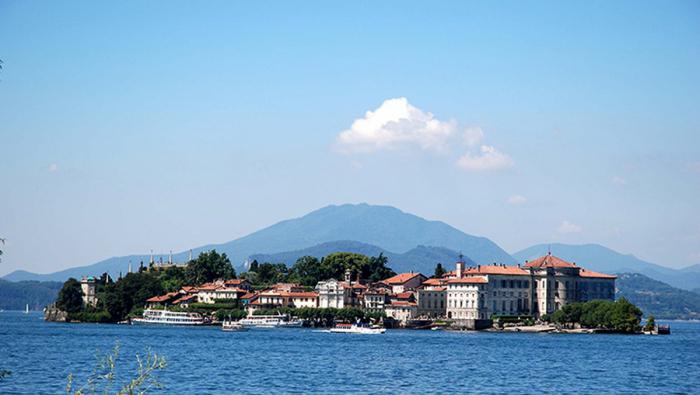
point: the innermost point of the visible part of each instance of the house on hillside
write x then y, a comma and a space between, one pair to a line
404, 282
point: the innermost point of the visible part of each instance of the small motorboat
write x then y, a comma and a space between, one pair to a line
361, 329
232, 326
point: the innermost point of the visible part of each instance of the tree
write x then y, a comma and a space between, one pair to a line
336, 264
439, 271
378, 269
650, 325
70, 297
209, 266
270, 273
306, 271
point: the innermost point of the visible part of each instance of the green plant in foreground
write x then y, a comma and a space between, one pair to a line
104, 377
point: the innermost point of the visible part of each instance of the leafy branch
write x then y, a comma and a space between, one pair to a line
104, 376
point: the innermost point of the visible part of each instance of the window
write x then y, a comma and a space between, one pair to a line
503, 283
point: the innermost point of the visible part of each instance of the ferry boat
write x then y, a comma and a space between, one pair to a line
270, 321
357, 328
164, 317
232, 326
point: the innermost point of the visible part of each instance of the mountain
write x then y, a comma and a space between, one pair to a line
383, 226
657, 298
421, 258
16, 295
112, 266
603, 259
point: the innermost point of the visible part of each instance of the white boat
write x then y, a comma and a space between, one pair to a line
26, 309
165, 317
357, 328
232, 326
270, 321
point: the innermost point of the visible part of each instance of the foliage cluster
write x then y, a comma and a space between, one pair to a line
234, 314
105, 378
309, 270
127, 296
619, 316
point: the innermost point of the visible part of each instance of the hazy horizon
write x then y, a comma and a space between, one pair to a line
166, 126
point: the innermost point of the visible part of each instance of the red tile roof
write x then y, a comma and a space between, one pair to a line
186, 298
303, 294
468, 280
209, 287
235, 281
403, 295
434, 281
549, 261
592, 274
354, 285
162, 298
401, 278
250, 295
496, 269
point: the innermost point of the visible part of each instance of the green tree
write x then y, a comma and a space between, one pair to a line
378, 269
334, 265
209, 266
270, 273
306, 271
131, 292
650, 325
439, 271
70, 297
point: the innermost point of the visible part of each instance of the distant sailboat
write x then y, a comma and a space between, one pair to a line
26, 309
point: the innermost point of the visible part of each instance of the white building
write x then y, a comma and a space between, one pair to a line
540, 287
333, 293
431, 298
401, 311
88, 286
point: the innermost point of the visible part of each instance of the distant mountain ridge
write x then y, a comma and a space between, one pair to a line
658, 298
383, 226
603, 259
420, 259
17, 295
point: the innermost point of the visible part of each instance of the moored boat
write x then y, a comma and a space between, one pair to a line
271, 321
362, 329
165, 317
232, 326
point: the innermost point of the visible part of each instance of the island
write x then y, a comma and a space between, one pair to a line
547, 294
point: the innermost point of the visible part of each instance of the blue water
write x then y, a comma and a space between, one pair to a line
40, 356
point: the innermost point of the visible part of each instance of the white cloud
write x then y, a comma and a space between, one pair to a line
567, 227
395, 124
617, 180
53, 167
517, 200
488, 159
473, 136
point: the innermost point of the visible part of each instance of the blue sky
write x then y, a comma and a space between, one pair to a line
168, 125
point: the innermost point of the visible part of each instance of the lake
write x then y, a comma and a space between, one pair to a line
206, 360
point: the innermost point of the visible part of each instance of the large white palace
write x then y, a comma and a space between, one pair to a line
475, 294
